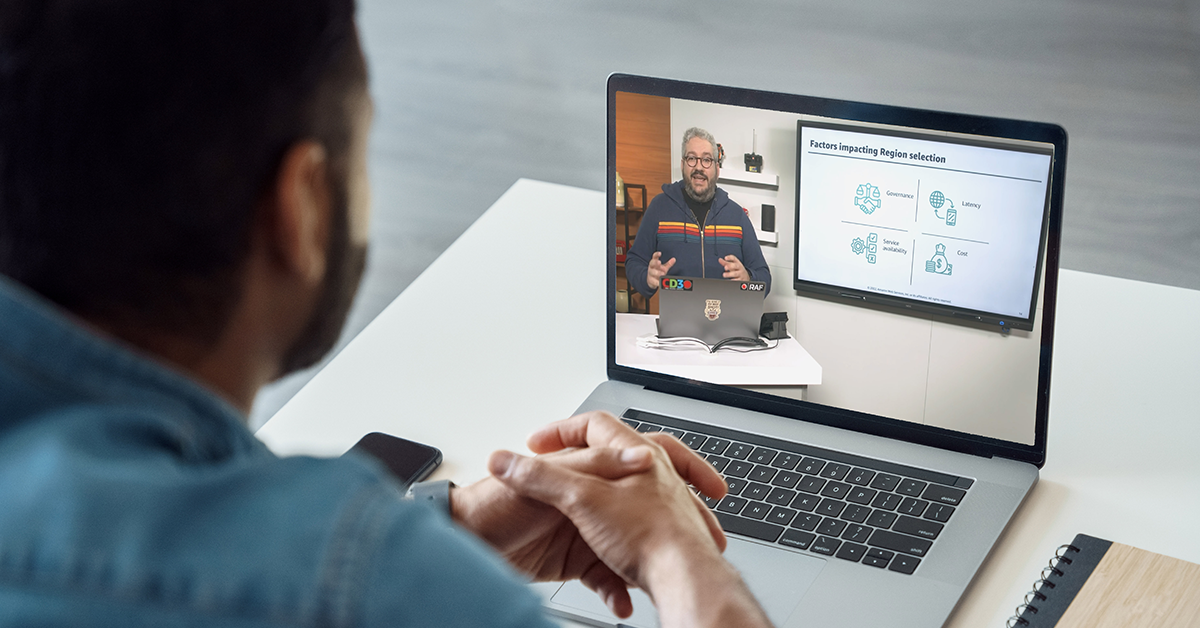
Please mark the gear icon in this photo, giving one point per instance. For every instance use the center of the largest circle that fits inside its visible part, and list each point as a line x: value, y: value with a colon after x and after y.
x: 858, y: 246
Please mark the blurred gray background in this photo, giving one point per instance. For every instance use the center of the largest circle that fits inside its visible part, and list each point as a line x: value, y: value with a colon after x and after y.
x: 471, y: 96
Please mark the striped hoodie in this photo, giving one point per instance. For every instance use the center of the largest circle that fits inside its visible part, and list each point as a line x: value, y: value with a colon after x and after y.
x: 670, y: 227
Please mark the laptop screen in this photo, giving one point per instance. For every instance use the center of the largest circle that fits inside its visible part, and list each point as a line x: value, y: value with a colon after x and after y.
x: 909, y: 250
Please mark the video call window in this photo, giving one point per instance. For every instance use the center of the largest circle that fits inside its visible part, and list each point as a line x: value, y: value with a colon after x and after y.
x: 907, y: 261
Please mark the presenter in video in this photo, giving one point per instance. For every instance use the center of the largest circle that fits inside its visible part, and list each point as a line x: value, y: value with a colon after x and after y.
x: 693, y: 229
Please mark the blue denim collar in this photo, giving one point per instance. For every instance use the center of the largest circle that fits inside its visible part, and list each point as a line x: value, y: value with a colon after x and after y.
x: 48, y: 346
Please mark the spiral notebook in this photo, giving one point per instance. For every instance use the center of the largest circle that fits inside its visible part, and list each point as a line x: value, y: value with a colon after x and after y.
x: 1100, y: 584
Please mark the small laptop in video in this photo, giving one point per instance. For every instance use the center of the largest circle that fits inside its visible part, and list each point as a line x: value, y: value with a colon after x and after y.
x: 717, y: 312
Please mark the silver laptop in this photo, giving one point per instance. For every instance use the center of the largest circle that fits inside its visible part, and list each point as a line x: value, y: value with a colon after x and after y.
x: 716, y: 312
x: 916, y: 254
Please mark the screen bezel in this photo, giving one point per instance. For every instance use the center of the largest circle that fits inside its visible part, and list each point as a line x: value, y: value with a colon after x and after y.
x: 984, y: 126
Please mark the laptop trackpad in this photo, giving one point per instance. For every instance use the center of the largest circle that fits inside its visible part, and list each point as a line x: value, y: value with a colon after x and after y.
x: 778, y: 578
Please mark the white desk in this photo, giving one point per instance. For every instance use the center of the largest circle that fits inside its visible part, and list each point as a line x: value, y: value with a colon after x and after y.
x: 1124, y: 425
x: 786, y: 364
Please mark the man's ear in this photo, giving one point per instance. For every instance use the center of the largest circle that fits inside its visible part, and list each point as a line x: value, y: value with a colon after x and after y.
x: 299, y: 216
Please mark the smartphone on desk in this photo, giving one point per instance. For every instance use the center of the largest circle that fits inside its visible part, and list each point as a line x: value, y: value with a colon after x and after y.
x: 408, y: 461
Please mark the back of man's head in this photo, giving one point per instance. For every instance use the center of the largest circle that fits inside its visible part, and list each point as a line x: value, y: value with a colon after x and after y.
x: 137, y: 138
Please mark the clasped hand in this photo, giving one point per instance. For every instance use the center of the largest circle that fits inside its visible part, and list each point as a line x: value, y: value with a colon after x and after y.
x: 600, y: 504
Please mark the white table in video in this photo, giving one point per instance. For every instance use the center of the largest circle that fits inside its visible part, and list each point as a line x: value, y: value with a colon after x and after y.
x: 1121, y: 461
x: 784, y: 364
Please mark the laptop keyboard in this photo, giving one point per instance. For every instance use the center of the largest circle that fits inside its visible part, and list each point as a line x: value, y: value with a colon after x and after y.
x: 866, y: 511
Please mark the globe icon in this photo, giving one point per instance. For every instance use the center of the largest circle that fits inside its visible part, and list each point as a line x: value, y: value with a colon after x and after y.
x: 937, y: 199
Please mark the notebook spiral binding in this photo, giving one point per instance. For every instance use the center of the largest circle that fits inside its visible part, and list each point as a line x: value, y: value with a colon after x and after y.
x: 1035, y: 594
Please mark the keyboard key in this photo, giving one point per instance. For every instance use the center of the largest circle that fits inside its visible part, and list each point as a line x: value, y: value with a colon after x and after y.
x: 807, y: 503
x: 782, y: 516
x: 881, y: 519
x: 831, y: 527
x: 719, y: 463
x: 738, y: 469
x: 756, y: 510
x: 806, y: 522
x: 904, y: 564
x: 909, y: 487
x: 762, y: 455
x: 735, y: 485
x: 825, y: 545
x: 874, y: 562
x: 834, y: 471
x: 786, y: 460
x: 694, y: 440
x: 630, y: 422
x: 858, y: 495
x: 880, y: 553
x: 811, y: 466
x: 856, y: 513
x: 714, y: 446
x: 860, y: 476
x: 747, y: 527
x: 674, y: 432
x: 711, y: 502
x: 939, y: 512
x: 886, y: 501
x: 910, y: 506
x: 857, y: 533
x: 738, y: 451
x: 811, y: 484
x: 836, y: 489
x: 877, y: 558
x: 647, y: 428
x: 797, y: 539
x: 898, y: 542
x: 943, y: 494
x: 763, y: 473
x: 781, y: 496
x: 732, y: 505
x: 756, y: 491
x: 831, y: 507
x: 885, y: 482
x: 918, y: 527
x: 786, y: 479
x: 852, y: 552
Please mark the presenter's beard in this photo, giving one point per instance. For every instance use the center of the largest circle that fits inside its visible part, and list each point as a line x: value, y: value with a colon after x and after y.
x: 346, y: 264
x: 699, y: 198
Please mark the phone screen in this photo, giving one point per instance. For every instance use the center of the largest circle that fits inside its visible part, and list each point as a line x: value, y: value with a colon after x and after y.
x: 408, y: 461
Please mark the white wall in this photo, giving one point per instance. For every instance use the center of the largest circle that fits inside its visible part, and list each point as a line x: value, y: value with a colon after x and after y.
x: 915, y: 368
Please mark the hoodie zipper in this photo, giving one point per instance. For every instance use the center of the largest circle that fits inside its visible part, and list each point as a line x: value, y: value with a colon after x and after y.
x: 703, y: 269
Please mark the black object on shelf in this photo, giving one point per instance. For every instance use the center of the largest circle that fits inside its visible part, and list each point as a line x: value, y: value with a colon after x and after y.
x: 768, y: 218
x: 773, y: 325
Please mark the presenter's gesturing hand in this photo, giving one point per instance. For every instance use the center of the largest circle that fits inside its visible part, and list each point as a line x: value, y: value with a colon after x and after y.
x: 656, y: 269
x: 733, y: 268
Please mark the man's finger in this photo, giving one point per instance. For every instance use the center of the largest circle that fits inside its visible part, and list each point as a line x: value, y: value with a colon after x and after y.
x: 540, y: 479
x: 607, y: 462
x: 714, y: 526
x: 691, y: 467
x: 669, y: 264
x: 611, y: 588
x: 590, y: 429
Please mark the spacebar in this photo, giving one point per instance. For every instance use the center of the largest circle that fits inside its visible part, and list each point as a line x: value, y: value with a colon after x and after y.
x: 749, y: 527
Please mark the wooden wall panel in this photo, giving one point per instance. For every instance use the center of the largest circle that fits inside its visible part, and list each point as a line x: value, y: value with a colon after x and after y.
x: 643, y: 138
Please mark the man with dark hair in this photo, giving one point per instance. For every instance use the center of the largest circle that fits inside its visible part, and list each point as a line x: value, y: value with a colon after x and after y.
x: 183, y: 218
x: 693, y: 228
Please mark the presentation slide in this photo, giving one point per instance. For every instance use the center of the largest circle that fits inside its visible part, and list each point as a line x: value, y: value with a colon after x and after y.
x: 928, y: 219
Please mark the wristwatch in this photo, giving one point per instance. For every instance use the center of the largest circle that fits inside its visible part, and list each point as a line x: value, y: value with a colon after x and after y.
x: 436, y: 493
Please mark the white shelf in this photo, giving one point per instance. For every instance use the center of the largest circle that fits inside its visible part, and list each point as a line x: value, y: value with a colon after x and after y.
x: 768, y: 236
x: 757, y: 179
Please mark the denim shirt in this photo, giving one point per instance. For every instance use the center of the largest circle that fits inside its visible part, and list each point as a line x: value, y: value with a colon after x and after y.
x: 130, y: 495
